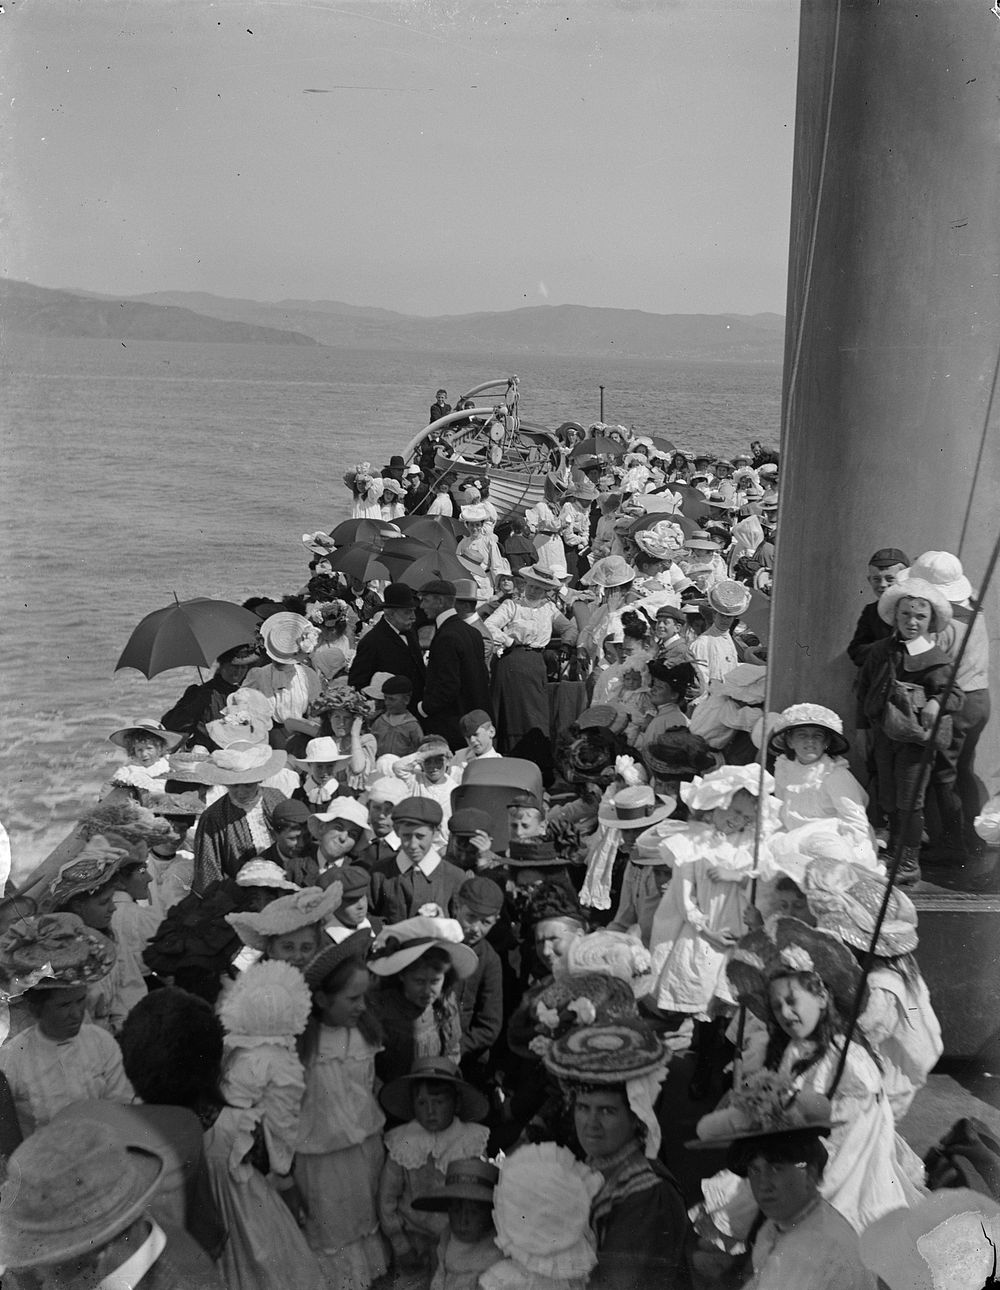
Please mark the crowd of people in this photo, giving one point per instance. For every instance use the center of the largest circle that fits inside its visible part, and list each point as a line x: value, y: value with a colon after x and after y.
x: 368, y: 966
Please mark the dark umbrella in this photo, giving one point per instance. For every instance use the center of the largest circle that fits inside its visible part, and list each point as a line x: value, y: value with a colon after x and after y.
x: 693, y: 502
x: 438, y: 564
x: 372, y: 531
x: 399, y: 553
x: 598, y: 446
x: 663, y: 444
x: 361, y: 561
x: 435, y: 530
x: 188, y: 633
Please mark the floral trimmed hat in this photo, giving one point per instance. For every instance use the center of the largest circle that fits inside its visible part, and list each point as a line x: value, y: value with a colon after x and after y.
x: 719, y: 787
x: 580, y: 998
x: 90, y: 870
x: 54, y: 951
x: 610, y: 1052
x: 788, y: 946
x: 765, y: 1105
x: 288, y: 913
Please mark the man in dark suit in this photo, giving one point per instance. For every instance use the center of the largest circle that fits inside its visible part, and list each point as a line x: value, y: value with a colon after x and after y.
x: 391, y: 645
x: 457, y: 680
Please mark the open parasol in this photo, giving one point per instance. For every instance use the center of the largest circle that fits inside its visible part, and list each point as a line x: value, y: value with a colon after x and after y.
x: 188, y: 633
x: 435, y: 530
x: 362, y: 561
x: 598, y: 446
x: 435, y: 565
x: 360, y: 530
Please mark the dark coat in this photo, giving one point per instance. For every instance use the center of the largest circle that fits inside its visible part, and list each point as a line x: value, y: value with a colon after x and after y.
x: 870, y: 628
x: 480, y: 1003
x: 383, y: 650
x: 457, y: 680
x: 396, y: 895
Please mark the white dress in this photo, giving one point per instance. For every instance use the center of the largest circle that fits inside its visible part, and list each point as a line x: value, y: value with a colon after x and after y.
x: 544, y: 526
x: 339, y: 1158
x: 870, y: 1170
x: 689, y: 972
x: 823, y: 790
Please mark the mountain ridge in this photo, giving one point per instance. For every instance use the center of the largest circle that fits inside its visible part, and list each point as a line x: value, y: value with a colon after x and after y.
x: 566, y: 329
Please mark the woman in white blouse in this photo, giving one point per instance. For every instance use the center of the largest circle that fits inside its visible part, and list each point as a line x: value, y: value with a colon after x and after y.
x: 523, y: 627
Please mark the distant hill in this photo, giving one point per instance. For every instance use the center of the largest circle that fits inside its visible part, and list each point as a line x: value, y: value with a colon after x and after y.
x: 38, y: 311
x: 541, y: 329
x: 565, y: 330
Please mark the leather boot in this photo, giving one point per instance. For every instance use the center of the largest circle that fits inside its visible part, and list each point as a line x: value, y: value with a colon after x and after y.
x: 908, y: 873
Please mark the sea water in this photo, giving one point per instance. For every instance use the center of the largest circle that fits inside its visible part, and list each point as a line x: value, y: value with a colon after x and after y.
x: 133, y: 472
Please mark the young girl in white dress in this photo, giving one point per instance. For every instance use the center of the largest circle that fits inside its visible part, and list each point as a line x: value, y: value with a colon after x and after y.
x: 800, y: 981
x: 340, y: 1151
x: 701, y: 915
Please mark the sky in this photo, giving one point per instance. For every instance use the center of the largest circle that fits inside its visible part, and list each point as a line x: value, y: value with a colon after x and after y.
x: 427, y: 156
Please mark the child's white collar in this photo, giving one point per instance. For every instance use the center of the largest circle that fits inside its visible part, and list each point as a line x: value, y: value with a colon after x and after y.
x: 920, y: 646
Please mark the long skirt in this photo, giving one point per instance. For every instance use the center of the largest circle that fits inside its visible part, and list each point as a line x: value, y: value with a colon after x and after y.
x: 520, y: 697
x: 265, y: 1250
x: 339, y: 1190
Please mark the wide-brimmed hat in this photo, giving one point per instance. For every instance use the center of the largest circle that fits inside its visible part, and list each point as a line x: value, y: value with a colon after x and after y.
x: 169, y: 805
x: 948, y: 1239
x: 319, y: 543
x: 281, y: 636
x: 787, y: 946
x: 846, y: 901
x: 610, y: 1052
x: 355, y: 946
x: 540, y: 577
x: 576, y: 998
x: 916, y: 589
x: 348, y: 809
x: 766, y: 1105
x: 57, y: 951
x: 70, y: 1188
x: 470, y: 1179
x: 746, y: 683
x: 147, y: 726
x: 240, y: 763
x: 635, y: 807
x: 662, y: 541
x: 809, y: 714
x: 942, y: 570
x: 92, y: 868
x: 400, y: 944
x: 701, y: 540
x: 611, y: 571
x: 474, y: 513
x: 258, y: 872
x: 677, y: 753
x: 325, y: 749
x: 396, y: 1097
x: 289, y: 913
x: 246, y: 719
x: 241, y: 656
x: 718, y: 787
x: 729, y: 597
x: 768, y: 469
x: 601, y: 716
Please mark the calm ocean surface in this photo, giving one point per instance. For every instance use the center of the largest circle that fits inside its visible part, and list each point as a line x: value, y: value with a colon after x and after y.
x: 133, y: 473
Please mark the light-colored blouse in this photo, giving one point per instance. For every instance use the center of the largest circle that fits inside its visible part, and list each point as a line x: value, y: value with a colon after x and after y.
x: 532, y: 625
